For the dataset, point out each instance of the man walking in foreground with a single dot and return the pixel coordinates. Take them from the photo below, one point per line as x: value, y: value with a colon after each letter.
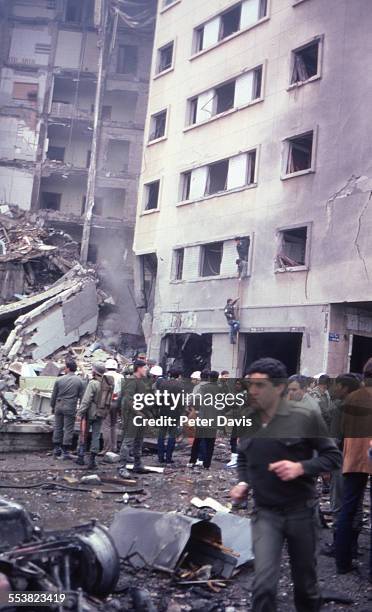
x: 279, y: 463
x: 67, y: 392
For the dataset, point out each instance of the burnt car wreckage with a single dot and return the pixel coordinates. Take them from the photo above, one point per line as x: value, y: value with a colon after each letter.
x: 81, y: 562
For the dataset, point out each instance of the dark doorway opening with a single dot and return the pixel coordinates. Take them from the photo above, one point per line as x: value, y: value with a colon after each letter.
x: 360, y: 353
x: 285, y: 346
x: 189, y: 352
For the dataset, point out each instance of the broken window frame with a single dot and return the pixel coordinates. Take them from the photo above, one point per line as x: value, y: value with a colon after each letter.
x: 250, y: 177
x: 252, y: 158
x: 178, y: 263
x: 185, y: 186
x: 212, y: 168
x: 283, y: 262
x: 152, y: 193
x: 198, y: 39
x: 61, y: 152
x: 198, y: 33
x: 124, y: 57
x: 193, y: 110
x: 289, y: 143
x: 78, y: 8
x: 257, y: 94
x: 236, y: 11
x: 56, y: 196
x: 163, y: 66
x: 206, y: 265
x: 297, y: 66
x: 219, y: 99
x: 257, y: 83
x: 158, y: 131
x: 148, y: 269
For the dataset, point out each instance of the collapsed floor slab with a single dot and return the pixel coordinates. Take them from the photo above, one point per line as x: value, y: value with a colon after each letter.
x: 58, y: 322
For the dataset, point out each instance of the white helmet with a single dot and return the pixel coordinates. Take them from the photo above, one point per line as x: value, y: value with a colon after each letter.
x: 156, y: 370
x: 196, y: 375
x: 111, y: 364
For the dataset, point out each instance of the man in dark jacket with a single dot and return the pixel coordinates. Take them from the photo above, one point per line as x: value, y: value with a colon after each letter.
x: 67, y: 392
x: 167, y: 433
x: 279, y: 463
x: 206, y: 435
x: 242, y: 247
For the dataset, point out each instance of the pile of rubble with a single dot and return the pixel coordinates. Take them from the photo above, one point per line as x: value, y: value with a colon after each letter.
x: 32, y: 256
x: 26, y: 386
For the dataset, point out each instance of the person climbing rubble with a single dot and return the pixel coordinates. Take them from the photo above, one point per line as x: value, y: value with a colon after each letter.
x: 229, y: 312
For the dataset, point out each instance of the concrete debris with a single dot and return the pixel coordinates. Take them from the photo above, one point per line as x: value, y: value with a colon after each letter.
x: 209, y: 502
x: 91, y: 479
x: 149, y: 468
x: 111, y: 458
x: 57, y: 322
x: 33, y: 256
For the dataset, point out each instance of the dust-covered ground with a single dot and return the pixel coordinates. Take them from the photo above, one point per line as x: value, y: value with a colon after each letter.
x: 170, y: 491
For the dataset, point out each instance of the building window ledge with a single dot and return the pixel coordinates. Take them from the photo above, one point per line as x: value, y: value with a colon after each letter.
x: 291, y: 269
x: 200, y: 279
x: 285, y: 177
x: 169, y: 6
x: 231, y: 37
x: 316, y: 77
x: 156, y: 140
x: 149, y: 212
x: 163, y: 73
x: 217, y: 195
x: 222, y: 115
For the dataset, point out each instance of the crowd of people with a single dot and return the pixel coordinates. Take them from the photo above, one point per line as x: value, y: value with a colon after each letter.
x: 300, y: 430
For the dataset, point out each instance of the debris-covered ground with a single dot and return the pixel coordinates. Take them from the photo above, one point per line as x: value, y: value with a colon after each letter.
x: 54, y: 506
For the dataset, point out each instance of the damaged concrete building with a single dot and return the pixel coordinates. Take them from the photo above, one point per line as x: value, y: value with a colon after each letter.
x: 73, y: 85
x: 256, y: 128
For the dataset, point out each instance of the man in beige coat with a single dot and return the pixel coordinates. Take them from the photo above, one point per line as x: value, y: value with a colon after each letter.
x: 357, y: 466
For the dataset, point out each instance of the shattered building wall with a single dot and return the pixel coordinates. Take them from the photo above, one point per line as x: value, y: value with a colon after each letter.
x: 49, y: 60
x: 265, y: 137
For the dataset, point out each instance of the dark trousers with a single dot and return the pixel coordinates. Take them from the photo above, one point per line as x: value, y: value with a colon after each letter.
x: 64, y: 421
x: 206, y: 446
x: 270, y: 529
x: 354, y: 487
x: 233, y: 443
x: 165, y: 451
x: 96, y: 426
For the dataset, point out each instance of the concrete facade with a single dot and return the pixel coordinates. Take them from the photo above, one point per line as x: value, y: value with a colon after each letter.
x: 49, y: 54
x: 312, y: 177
